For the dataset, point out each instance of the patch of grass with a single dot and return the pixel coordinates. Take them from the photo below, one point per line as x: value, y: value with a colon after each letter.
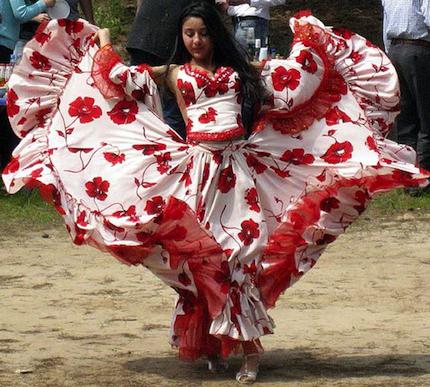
x: 26, y: 210
x: 397, y: 202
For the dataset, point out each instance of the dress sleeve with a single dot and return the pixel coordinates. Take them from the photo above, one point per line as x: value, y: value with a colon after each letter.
x: 116, y: 80
x: 325, y: 65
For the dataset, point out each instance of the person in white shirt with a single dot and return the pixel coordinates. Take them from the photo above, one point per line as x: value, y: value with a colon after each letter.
x: 407, y: 42
x: 251, y: 19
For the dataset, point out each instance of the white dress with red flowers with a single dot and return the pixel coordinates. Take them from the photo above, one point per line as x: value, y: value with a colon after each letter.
x: 228, y: 223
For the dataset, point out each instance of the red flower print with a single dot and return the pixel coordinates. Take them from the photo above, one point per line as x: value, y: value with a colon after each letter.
x: 208, y: 117
x: 283, y: 78
x: 339, y: 152
x: 155, y: 205
x: 163, y: 162
x: 41, y: 116
x: 81, y: 219
x: 251, y: 197
x: 71, y: 26
x: 84, y: 109
x: 223, y: 277
x: 186, y: 178
x: 227, y: 179
x: 42, y: 37
x: 362, y: 197
x: 355, y: 57
x: 297, y: 156
x: 343, y: 33
x: 150, y: 149
x: 255, y: 164
x: 335, y: 115
x: 213, y: 87
x: 184, y: 279
x: 12, y: 107
x: 130, y: 213
x: 141, y: 93
x: 251, y: 270
x: 124, y: 112
x: 371, y: 144
x: 280, y: 172
x: 217, y: 157
x: 187, y: 91
x: 307, y: 61
x: 250, y: 231
x: 36, y: 173
x: 205, y: 175
x: 39, y: 61
x: 97, y: 188
x: 114, y: 158
x: 12, y: 167
x: 329, y: 204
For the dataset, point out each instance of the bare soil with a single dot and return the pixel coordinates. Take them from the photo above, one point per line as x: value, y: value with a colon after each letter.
x: 72, y: 316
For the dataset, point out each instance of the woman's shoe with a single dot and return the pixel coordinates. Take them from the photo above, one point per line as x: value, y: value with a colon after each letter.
x: 248, y: 374
x: 217, y: 365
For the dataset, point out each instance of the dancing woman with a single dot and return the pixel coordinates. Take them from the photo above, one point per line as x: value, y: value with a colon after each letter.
x: 227, y: 222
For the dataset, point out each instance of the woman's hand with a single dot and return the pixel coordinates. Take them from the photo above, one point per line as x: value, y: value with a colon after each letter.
x: 50, y: 3
x: 102, y: 36
x: 42, y: 17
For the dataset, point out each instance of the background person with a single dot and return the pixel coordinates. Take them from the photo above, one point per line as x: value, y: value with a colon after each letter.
x: 406, y: 33
x: 251, y: 14
x: 12, y: 14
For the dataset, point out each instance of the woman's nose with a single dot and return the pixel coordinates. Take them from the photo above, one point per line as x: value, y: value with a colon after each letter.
x: 197, y: 38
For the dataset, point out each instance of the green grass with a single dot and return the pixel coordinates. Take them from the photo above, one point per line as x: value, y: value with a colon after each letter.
x: 24, y: 211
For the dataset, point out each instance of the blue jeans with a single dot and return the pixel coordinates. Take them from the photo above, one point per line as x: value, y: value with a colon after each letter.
x: 260, y: 26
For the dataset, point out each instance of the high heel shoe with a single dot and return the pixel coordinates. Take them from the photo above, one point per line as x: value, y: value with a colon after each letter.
x: 246, y: 375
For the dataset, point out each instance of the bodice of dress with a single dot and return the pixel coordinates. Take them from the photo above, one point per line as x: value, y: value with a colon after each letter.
x: 213, y: 103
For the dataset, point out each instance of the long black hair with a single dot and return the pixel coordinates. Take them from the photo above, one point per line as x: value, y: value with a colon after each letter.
x: 226, y: 51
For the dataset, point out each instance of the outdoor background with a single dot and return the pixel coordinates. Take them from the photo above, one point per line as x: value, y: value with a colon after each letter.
x: 73, y: 316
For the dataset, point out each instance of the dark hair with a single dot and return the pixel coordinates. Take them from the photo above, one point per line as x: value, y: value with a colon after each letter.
x: 226, y: 51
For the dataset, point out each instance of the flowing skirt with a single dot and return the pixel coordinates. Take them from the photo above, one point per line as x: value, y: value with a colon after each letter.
x: 229, y: 225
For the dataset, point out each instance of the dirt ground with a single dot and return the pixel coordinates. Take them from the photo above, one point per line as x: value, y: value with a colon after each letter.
x: 72, y: 316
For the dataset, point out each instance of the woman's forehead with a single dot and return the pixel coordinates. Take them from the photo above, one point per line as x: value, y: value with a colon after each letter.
x: 193, y: 22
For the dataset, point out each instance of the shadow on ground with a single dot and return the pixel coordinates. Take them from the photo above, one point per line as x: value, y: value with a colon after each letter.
x: 293, y: 365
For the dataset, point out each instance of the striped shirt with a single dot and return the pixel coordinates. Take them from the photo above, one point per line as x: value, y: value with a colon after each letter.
x: 406, y: 19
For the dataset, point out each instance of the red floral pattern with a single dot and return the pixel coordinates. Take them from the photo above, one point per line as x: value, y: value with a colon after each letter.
x: 124, y: 112
x: 84, y: 109
x: 97, y: 188
x: 283, y: 78
x: 339, y: 152
x: 230, y: 224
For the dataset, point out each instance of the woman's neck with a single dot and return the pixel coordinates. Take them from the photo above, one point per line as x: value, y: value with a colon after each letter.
x: 207, y: 64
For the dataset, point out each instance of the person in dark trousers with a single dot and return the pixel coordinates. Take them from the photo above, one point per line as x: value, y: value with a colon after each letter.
x: 407, y: 42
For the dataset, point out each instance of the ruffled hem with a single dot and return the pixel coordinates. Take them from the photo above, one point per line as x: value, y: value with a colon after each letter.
x: 104, y: 60
x: 313, y: 222
x: 345, y: 66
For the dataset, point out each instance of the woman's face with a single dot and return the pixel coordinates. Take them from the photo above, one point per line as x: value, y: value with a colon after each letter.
x: 196, y: 39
